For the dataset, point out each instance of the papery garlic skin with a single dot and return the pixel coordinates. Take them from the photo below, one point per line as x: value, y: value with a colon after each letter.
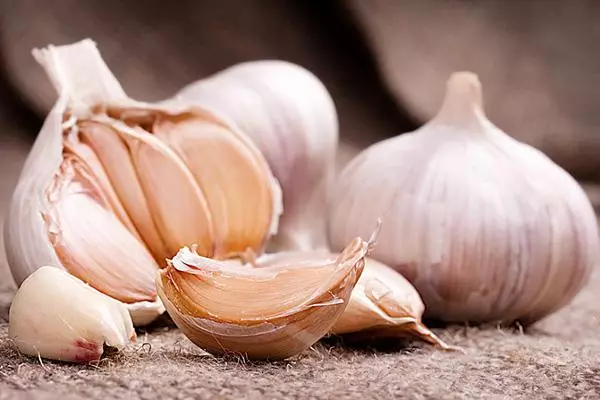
x: 56, y: 316
x: 272, y: 312
x: 485, y: 227
x: 113, y: 186
x: 384, y: 303
x: 291, y: 117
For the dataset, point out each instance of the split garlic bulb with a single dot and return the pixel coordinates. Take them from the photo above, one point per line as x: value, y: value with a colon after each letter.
x: 56, y: 316
x: 291, y: 117
x: 485, y: 227
x: 272, y: 310
x: 113, y: 186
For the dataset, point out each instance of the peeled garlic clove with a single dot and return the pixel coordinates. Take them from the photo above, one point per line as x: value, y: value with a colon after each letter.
x: 384, y: 303
x: 231, y: 175
x: 56, y: 316
x: 272, y: 312
x: 292, y: 119
x: 486, y: 228
x: 103, y: 197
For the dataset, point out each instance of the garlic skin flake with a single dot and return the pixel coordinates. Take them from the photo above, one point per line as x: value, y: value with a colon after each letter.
x: 485, y: 227
x: 56, y: 316
x: 384, y: 304
x: 290, y: 116
x: 272, y: 312
x: 113, y: 186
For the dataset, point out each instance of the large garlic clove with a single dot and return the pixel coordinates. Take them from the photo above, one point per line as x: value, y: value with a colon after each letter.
x: 91, y: 242
x: 102, y: 196
x: 486, y: 228
x: 54, y: 315
x: 272, y: 312
x: 384, y: 303
x: 232, y: 177
x: 291, y: 117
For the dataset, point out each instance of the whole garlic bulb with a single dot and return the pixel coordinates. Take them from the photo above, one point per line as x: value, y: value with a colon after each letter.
x: 485, y: 227
x: 114, y: 186
x: 291, y: 117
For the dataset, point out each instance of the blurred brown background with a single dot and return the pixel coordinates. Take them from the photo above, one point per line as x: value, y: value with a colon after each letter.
x: 385, y: 62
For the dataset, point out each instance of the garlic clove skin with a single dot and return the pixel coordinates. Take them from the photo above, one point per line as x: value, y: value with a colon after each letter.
x: 56, y: 316
x: 384, y: 303
x: 272, y: 312
x: 486, y: 228
x: 288, y: 113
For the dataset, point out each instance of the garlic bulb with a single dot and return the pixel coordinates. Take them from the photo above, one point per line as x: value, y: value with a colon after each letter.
x: 113, y: 186
x: 384, y: 303
x: 485, y: 227
x: 272, y: 312
x: 291, y: 117
x: 56, y: 316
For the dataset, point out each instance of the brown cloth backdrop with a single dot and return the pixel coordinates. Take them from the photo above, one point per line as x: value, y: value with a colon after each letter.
x: 384, y: 61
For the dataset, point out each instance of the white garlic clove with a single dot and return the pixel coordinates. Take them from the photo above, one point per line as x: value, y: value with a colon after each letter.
x: 272, y: 312
x: 385, y: 304
x: 485, y: 227
x: 292, y: 119
x: 56, y: 316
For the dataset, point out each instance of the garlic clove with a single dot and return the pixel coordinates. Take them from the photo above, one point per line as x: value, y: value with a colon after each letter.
x: 486, y: 228
x: 176, y: 203
x: 89, y: 157
x: 91, y: 242
x: 233, y: 177
x: 385, y: 304
x: 113, y: 154
x: 55, y: 316
x: 272, y: 312
x: 290, y: 116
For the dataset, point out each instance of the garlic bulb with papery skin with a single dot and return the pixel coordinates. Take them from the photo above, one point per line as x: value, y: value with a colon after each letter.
x: 385, y: 304
x: 291, y: 117
x: 56, y: 316
x: 485, y: 227
x: 114, y: 186
x: 271, y: 312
